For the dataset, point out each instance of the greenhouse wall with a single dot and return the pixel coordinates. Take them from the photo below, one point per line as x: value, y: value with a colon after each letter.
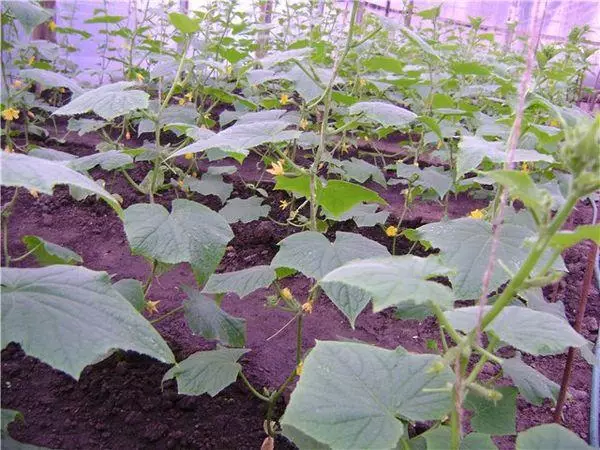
x: 559, y: 18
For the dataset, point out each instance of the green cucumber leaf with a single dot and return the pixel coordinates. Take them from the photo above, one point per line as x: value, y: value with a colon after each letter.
x: 70, y: 316
x: 205, y: 318
x: 241, y: 282
x: 312, y: 254
x: 244, y: 209
x: 394, y: 280
x: 383, y: 113
x: 207, y: 372
x: 532, y: 385
x: 46, y: 253
x: 352, y: 395
x: 550, y: 437
x: 191, y: 233
x: 108, y: 101
x: 42, y: 175
x: 535, y: 332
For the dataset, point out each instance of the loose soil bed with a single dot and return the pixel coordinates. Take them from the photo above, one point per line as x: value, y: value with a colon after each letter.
x: 120, y: 403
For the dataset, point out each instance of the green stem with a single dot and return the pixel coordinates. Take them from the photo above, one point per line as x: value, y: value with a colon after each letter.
x: 455, y: 426
x: 150, y: 277
x: 164, y: 316
x: 252, y: 389
x: 25, y: 255
x: 299, y: 339
x: 6, y: 213
x: 132, y: 182
x: 327, y: 104
x: 439, y: 314
x: 484, y: 358
x: 531, y: 261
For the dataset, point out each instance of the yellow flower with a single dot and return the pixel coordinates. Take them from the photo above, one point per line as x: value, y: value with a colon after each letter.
x: 127, y: 135
x: 181, y: 101
x: 229, y: 70
x: 477, y: 214
x: 307, y: 307
x: 439, y: 144
x: 303, y: 124
x: 283, y: 204
x: 10, y: 114
x: 206, y: 116
x: 34, y: 193
x: 299, y: 368
x: 284, y: 99
x: 189, y: 156
x: 286, y: 294
x: 362, y: 82
x: 391, y: 231
x: 525, y: 168
x: 276, y: 168
x: 8, y: 149
x: 344, y: 149
x: 17, y: 84
x: 31, y: 60
x: 554, y: 123
x: 139, y: 77
x: 189, y: 96
x: 194, y: 174
x: 52, y: 26
x: 61, y: 90
x: 152, y: 307
x: 180, y: 184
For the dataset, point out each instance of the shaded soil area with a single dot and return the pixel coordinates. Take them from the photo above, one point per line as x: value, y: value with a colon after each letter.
x: 120, y: 403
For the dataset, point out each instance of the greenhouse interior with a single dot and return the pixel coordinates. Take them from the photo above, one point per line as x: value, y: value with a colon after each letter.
x: 300, y: 224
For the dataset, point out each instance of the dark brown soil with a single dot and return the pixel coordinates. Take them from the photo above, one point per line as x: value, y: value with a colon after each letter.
x: 119, y: 403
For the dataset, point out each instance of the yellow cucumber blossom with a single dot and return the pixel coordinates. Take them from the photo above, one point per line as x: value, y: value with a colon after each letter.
x: 276, y: 168
x: 525, y: 168
x: 31, y: 60
x: 229, y: 70
x: 391, y: 231
x: 303, y: 124
x: 180, y: 184
x: 152, y: 306
x: 283, y: 204
x: 181, y: 101
x: 10, y: 114
x: 61, y: 90
x: 286, y: 294
x: 477, y: 214
x: 34, y: 193
x: 344, y: 148
x: 189, y: 96
x: 284, y: 99
x: 8, y: 149
x: 127, y: 135
x: 17, y: 84
x: 362, y: 82
x: 307, y: 307
x: 139, y: 77
x: 52, y: 26
x: 189, y: 156
x: 554, y: 123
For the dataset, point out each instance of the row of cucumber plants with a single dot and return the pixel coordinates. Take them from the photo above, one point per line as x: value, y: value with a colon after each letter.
x: 316, y: 87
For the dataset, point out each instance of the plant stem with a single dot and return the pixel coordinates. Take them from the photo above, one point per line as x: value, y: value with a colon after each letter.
x: 252, y: 389
x: 531, y: 261
x: 150, y: 277
x: 585, y: 291
x: 164, y: 316
x: 6, y: 213
x: 299, y: 339
x: 326, y: 105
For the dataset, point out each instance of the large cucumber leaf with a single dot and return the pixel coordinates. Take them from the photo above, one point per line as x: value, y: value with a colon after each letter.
x: 69, y: 317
